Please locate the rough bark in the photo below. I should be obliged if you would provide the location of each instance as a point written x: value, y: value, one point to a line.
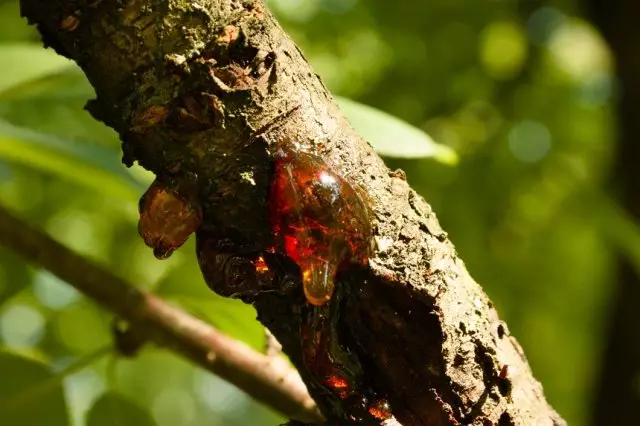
x: 617, y: 391
x: 201, y: 93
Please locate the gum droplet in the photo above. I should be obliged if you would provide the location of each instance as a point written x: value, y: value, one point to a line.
x: 319, y: 219
x: 166, y: 220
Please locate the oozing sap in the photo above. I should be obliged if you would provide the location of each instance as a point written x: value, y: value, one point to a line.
x: 319, y: 220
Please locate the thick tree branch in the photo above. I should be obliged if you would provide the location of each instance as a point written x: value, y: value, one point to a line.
x: 267, y: 379
x: 204, y: 93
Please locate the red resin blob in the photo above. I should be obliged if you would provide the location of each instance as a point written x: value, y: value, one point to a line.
x: 380, y: 409
x: 166, y: 220
x: 339, y: 385
x: 319, y: 219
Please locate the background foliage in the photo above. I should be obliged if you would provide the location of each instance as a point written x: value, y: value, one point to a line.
x: 520, y: 90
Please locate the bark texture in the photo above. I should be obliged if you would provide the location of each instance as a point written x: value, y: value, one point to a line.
x: 202, y: 93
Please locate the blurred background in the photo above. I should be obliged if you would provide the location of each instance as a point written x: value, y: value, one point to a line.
x: 540, y: 203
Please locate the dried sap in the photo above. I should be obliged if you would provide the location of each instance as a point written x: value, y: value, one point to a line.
x: 166, y: 220
x: 319, y: 219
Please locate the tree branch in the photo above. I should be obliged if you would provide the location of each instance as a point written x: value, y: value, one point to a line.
x: 204, y: 94
x: 267, y: 379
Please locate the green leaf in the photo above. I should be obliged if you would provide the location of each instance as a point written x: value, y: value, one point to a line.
x: 12, y: 26
x: 392, y: 137
x: 30, y: 393
x: 14, y: 275
x: 58, y: 114
x: 68, y: 84
x: 230, y: 316
x: 184, y: 285
x: 112, y: 409
x: 91, y: 166
x: 24, y: 62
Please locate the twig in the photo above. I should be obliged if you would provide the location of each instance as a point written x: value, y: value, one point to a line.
x: 264, y: 378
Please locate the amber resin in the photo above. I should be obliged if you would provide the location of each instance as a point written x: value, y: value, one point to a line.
x: 319, y: 219
x: 166, y: 219
x: 380, y: 409
x: 261, y: 265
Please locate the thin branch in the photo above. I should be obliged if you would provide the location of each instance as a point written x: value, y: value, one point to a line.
x: 267, y: 379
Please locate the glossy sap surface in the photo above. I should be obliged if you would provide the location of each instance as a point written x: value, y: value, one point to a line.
x: 319, y: 219
x: 166, y: 220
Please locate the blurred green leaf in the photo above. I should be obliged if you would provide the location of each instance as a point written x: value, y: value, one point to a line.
x: 392, y: 137
x: 69, y: 83
x: 184, y: 284
x: 23, y: 62
x: 232, y: 317
x: 57, y: 113
x: 91, y: 166
x: 14, y: 275
x: 54, y: 104
x: 12, y: 26
x: 29, y: 393
x: 112, y: 409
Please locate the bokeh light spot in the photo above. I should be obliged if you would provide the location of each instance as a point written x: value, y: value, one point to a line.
x: 83, y: 388
x: 529, y: 141
x: 503, y: 49
x: 542, y: 23
x: 79, y: 231
x: 21, y: 326
x: 53, y: 292
x: 219, y: 395
x: 579, y: 50
x: 295, y: 10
